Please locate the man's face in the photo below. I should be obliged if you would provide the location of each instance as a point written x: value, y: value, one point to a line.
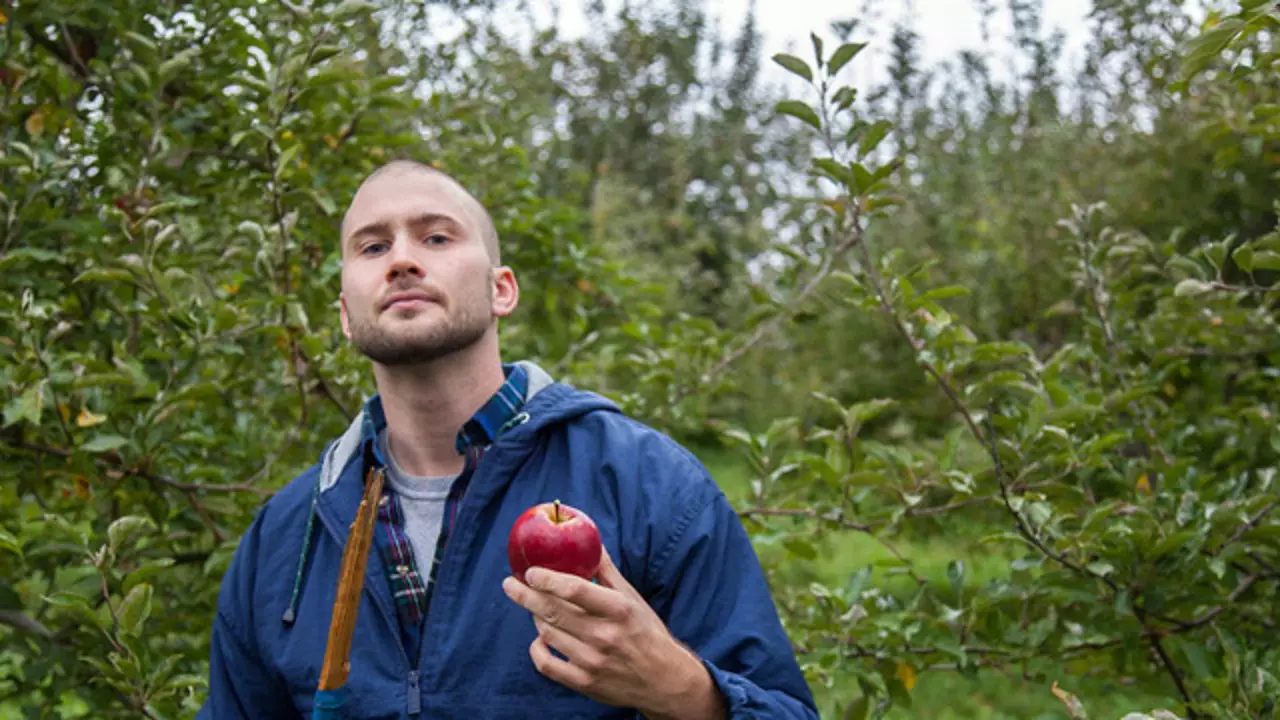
x: 417, y: 281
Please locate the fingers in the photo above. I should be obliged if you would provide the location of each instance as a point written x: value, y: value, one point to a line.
x: 579, y: 653
x: 593, y: 598
x: 556, y: 669
x: 549, y: 608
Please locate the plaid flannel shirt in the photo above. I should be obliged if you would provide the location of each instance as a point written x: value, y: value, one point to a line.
x: 411, y: 592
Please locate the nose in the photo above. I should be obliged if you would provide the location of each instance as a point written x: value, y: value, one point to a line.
x: 402, y: 262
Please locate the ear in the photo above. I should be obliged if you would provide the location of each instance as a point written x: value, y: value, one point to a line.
x: 506, y: 292
x: 343, y: 316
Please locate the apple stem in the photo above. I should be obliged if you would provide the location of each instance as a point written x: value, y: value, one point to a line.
x: 557, y: 509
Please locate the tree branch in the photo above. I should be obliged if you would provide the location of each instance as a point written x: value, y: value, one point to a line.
x: 121, y: 471
x: 24, y: 623
x: 878, y: 285
x: 838, y: 518
x: 1023, y: 529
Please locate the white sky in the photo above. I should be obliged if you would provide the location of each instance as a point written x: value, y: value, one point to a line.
x: 945, y: 27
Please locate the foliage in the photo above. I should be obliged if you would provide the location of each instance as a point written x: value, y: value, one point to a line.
x: 1039, y: 334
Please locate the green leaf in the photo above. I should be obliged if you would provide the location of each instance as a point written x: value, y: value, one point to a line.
x: 872, y: 136
x: 795, y: 65
x: 286, y: 157
x: 123, y: 530
x: 800, y: 547
x: 1243, y: 257
x: 943, y: 293
x: 324, y: 52
x: 1191, y: 287
x: 104, y: 274
x: 28, y: 406
x: 858, y: 709
x: 1173, y: 542
x: 843, y: 55
x: 350, y: 8
x: 103, y: 442
x: 135, y: 609
x: 10, y: 542
x: 176, y: 64
x: 1201, y: 50
x: 1266, y: 260
x: 797, y: 109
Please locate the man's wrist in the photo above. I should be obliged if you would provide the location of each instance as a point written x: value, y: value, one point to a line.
x: 695, y: 697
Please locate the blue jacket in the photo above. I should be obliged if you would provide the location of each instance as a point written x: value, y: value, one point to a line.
x: 663, y: 519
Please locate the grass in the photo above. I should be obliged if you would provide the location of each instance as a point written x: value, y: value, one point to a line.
x: 992, y: 695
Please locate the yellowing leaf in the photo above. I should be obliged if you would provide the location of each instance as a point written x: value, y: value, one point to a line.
x: 35, y: 122
x: 1170, y: 390
x: 1143, y: 485
x: 1074, y: 707
x: 86, y: 418
x: 3, y: 18
x: 907, y: 675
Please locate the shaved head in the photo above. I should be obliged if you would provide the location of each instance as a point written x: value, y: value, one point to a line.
x: 488, y: 233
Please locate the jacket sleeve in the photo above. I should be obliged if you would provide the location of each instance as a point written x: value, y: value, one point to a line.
x: 713, y: 595
x: 241, y: 685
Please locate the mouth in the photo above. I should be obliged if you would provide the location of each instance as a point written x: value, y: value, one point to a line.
x: 407, y: 300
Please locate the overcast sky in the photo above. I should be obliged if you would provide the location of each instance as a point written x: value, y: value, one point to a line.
x: 945, y: 26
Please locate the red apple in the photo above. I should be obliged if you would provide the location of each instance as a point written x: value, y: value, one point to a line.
x: 555, y: 536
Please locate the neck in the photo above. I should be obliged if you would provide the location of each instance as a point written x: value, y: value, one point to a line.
x: 427, y: 404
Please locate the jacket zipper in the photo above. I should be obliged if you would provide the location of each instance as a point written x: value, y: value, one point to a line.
x: 415, y: 694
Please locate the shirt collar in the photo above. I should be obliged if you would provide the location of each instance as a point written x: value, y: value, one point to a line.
x: 501, y: 410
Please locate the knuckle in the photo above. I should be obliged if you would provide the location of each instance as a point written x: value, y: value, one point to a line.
x: 608, y: 638
x: 627, y: 612
x: 593, y: 664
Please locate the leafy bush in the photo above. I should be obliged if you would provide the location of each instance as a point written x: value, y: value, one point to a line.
x: 981, y: 323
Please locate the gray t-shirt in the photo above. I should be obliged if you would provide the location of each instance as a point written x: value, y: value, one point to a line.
x: 422, y: 501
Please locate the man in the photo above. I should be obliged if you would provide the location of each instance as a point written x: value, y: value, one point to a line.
x: 678, y: 623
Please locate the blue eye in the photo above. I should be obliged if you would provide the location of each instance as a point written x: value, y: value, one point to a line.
x: 371, y: 247
x: 437, y: 238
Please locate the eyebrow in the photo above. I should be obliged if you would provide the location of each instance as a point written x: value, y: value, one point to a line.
x: 382, y: 228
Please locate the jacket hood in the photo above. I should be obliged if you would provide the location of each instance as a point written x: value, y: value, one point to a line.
x: 547, y: 402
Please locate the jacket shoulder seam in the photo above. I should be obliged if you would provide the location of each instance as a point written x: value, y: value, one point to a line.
x: 692, y: 510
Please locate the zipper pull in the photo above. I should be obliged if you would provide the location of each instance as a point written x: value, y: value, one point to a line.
x: 415, y: 694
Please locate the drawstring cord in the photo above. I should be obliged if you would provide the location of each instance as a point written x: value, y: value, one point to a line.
x: 291, y: 612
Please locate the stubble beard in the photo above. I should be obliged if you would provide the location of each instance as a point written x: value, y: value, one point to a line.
x: 420, y: 345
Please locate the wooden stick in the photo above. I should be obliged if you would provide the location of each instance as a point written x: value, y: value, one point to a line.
x: 346, y: 606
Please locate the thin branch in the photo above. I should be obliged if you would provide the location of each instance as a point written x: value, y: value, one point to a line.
x: 135, y: 472
x: 1250, y: 525
x: 1023, y: 529
x: 836, y: 518
x: 23, y: 622
x: 1224, y: 287
x: 878, y: 285
x: 941, y: 509
x: 839, y: 519
x: 1218, y: 353
x: 1212, y: 613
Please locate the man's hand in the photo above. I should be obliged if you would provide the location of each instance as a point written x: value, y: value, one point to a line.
x: 619, y: 651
